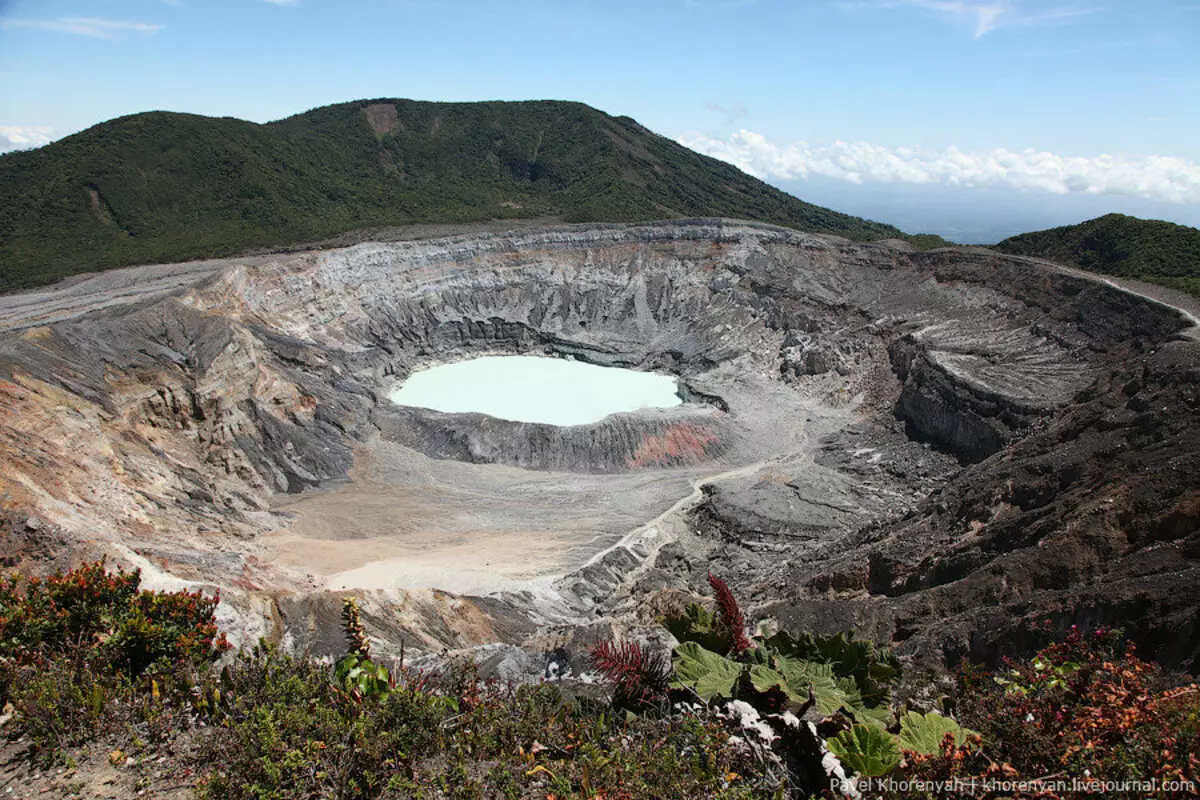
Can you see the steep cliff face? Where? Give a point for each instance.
(1089, 520)
(667, 439)
(183, 422)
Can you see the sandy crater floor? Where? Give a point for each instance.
(409, 521)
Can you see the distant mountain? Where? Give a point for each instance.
(1149, 250)
(163, 186)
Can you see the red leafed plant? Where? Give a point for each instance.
(103, 616)
(637, 675)
(1089, 708)
(731, 614)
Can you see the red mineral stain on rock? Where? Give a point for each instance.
(682, 443)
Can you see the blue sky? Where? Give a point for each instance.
(1045, 98)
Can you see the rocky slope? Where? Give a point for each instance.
(934, 448)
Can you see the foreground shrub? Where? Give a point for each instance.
(60, 704)
(91, 615)
(73, 643)
(790, 700)
(726, 714)
(1089, 709)
(288, 729)
(1083, 718)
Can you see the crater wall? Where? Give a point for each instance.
(207, 425)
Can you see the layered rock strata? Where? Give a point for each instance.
(935, 448)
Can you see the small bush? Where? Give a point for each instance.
(1089, 708)
(289, 730)
(101, 618)
(74, 642)
(60, 705)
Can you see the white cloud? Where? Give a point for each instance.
(1156, 177)
(982, 16)
(23, 137)
(283, 2)
(83, 26)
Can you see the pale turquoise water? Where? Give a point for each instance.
(552, 391)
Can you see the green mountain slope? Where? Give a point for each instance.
(163, 186)
(1128, 247)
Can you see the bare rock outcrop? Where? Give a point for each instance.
(934, 448)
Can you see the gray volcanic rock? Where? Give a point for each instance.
(1091, 520)
(665, 438)
(933, 448)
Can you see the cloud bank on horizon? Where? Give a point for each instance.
(23, 137)
(1166, 178)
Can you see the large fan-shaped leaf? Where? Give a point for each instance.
(709, 674)
(803, 674)
(923, 733)
(764, 679)
(853, 702)
(873, 669)
(697, 624)
(870, 751)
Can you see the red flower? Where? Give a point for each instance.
(731, 613)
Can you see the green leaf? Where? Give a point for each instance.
(760, 654)
(371, 679)
(874, 669)
(803, 674)
(879, 716)
(709, 674)
(870, 751)
(853, 702)
(923, 733)
(783, 643)
(697, 624)
(765, 679)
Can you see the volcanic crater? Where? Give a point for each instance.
(933, 448)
